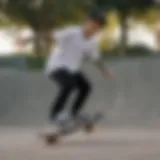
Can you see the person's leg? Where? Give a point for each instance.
(65, 82)
(59, 103)
(84, 88)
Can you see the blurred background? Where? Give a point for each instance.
(132, 27)
(130, 45)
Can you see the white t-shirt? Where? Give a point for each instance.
(72, 48)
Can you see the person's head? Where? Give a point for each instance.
(94, 22)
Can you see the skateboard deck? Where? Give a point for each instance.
(86, 122)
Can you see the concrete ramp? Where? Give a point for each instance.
(112, 144)
(131, 99)
(130, 103)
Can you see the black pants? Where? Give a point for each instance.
(69, 82)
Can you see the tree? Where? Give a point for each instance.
(124, 8)
(42, 15)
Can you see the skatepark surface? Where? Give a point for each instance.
(104, 144)
(130, 103)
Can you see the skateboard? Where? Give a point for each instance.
(86, 122)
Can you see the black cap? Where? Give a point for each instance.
(98, 16)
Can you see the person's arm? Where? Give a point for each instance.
(103, 69)
(99, 63)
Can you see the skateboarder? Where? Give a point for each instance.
(63, 65)
(74, 44)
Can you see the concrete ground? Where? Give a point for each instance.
(131, 99)
(104, 144)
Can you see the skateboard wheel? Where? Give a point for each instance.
(52, 139)
(89, 128)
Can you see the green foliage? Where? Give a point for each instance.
(17, 62)
(35, 62)
(42, 14)
(131, 51)
(139, 50)
(124, 7)
(22, 62)
(123, 4)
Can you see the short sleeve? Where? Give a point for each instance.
(63, 34)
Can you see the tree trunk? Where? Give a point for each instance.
(124, 29)
(47, 46)
(42, 44)
(38, 48)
